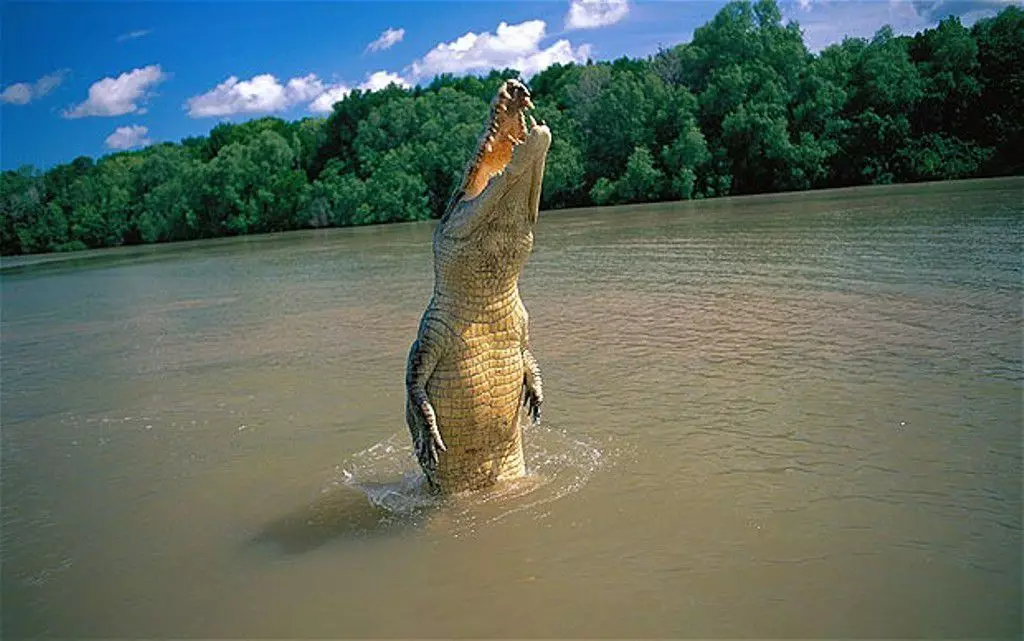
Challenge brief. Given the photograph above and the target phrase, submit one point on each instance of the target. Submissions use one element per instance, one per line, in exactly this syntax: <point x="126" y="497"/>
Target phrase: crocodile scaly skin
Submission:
<point x="470" y="370"/>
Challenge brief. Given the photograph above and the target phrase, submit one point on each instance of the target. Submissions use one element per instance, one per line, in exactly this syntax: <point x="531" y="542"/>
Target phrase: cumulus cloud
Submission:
<point x="266" y="94"/>
<point x="128" y="137"/>
<point x="376" y="81"/>
<point x="259" y="94"/>
<point x="380" y="79"/>
<point x="121" y="95"/>
<point x="590" y="14"/>
<point x="325" y="101"/>
<point x="17" y="94"/>
<point x="22" y="93"/>
<point x="302" y="89"/>
<point x="388" y="39"/>
<point x="514" y="46"/>
<point x="133" y="35"/>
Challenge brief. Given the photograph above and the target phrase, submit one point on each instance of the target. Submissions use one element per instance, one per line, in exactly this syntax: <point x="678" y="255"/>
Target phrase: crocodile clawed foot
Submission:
<point x="428" y="444"/>
<point x="532" y="402"/>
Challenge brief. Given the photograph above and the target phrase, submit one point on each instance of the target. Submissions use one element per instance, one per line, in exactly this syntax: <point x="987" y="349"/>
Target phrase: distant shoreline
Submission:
<point x="127" y="253"/>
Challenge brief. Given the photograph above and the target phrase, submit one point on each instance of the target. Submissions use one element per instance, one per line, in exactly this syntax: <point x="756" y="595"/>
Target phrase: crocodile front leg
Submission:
<point x="419" y="413"/>
<point x="533" y="389"/>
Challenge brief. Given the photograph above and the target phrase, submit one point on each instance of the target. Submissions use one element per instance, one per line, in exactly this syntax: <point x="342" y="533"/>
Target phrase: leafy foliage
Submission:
<point x="742" y="108"/>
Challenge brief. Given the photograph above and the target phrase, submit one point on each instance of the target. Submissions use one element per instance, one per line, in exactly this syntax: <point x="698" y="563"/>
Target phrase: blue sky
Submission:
<point x="88" y="78"/>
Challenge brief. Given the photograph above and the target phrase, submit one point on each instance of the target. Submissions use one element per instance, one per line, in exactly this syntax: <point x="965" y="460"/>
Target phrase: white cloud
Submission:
<point x="380" y="79"/>
<point x="325" y="101"/>
<point x="265" y="94"/>
<point x="132" y="35"/>
<point x="386" y="40"/>
<point x="121" y="95"/>
<point x="515" y="46"/>
<point x="590" y="14"/>
<point x="17" y="94"/>
<point x="22" y="93"/>
<point x="376" y="81"/>
<point x="259" y="94"/>
<point x="302" y="89"/>
<point x="48" y="83"/>
<point x="128" y="137"/>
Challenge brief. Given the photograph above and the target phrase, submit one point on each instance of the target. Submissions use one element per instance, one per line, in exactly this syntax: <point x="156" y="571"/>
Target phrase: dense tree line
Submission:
<point x="742" y="108"/>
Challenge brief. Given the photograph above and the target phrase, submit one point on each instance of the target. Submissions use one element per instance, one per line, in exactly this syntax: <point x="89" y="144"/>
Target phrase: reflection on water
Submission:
<point x="775" y="416"/>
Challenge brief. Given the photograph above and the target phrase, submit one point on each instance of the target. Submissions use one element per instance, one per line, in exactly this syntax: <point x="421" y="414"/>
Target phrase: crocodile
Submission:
<point x="470" y="373"/>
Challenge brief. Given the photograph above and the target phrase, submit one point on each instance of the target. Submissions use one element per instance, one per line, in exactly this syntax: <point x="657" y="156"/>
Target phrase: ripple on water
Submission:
<point x="558" y="464"/>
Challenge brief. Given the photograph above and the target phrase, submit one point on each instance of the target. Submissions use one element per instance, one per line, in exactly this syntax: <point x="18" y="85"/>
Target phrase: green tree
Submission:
<point x="158" y="200"/>
<point x="686" y="161"/>
<point x="565" y="170"/>
<point x="22" y="204"/>
<point x="438" y="133"/>
<point x="742" y="108"/>
<point x="640" y="182"/>
<point x="336" y="199"/>
<point x="342" y="126"/>
<point x="393" y="193"/>
<point x="307" y="137"/>
<point x="1000" y="107"/>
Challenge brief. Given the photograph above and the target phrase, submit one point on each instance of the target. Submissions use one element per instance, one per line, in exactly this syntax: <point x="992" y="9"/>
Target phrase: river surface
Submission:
<point x="780" y="416"/>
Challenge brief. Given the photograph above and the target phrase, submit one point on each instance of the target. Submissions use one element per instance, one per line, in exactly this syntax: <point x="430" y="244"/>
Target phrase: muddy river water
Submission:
<point x="777" y="416"/>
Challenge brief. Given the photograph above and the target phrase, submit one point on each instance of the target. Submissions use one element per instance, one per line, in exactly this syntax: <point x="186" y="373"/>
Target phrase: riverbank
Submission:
<point x="130" y="253"/>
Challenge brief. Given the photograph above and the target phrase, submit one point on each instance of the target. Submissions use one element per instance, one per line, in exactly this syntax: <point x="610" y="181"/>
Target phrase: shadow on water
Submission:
<point x="379" y="493"/>
<point x="343" y="512"/>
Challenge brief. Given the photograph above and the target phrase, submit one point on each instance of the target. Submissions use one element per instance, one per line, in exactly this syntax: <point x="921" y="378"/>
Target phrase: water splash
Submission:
<point x="558" y="464"/>
<point x="387" y="474"/>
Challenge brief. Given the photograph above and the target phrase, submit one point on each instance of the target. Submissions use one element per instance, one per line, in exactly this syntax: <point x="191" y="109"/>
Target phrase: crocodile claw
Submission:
<point x="427" y="441"/>
<point x="532" y="403"/>
<point x="436" y="442"/>
<point x="427" y="447"/>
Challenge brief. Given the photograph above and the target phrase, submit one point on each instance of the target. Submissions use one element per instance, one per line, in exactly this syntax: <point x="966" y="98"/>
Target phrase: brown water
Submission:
<point x="776" y="417"/>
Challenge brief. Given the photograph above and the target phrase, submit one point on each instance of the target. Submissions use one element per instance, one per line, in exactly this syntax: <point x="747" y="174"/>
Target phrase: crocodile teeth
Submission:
<point x="533" y="121"/>
<point x="489" y="147"/>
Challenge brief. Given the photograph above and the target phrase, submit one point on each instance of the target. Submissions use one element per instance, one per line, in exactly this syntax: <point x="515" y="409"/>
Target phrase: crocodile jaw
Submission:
<point x="502" y="184"/>
<point x="518" y="185"/>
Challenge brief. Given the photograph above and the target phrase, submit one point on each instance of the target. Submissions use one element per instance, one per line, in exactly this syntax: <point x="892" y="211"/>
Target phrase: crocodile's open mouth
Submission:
<point x="507" y="130"/>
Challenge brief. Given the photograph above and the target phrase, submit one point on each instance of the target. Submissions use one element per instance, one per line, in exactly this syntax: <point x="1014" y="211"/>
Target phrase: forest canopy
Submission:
<point x="743" y="108"/>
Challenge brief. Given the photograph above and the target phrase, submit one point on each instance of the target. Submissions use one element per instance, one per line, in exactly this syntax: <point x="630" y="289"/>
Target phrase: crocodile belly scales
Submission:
<point x="477" y="391"/>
